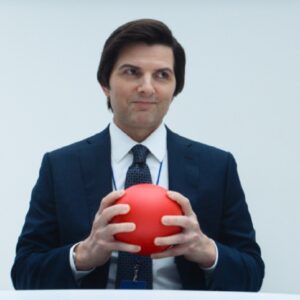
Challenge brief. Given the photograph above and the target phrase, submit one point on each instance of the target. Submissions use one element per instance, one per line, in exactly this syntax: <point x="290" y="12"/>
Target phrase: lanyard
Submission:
<point x="157" y="180"/>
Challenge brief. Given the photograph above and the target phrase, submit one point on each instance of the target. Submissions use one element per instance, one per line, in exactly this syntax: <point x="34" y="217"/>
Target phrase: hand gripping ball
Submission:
<point x="148" y="204"/>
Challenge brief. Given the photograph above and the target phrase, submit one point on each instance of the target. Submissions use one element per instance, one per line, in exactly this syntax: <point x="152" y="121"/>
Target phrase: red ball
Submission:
<point x="148" y="204"/>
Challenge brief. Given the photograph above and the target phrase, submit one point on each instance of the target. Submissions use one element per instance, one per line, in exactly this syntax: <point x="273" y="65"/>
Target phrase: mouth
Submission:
<point x="143" y="105"/>
<point x="144" y="102"/>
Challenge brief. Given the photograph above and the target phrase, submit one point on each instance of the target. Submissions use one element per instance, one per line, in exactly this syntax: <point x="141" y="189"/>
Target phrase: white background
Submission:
<point x="242" y="94"/>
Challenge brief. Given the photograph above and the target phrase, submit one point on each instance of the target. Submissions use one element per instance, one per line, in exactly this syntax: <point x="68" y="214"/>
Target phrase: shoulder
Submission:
<point x="99" y="140"/>
<point x="204" y="151"/>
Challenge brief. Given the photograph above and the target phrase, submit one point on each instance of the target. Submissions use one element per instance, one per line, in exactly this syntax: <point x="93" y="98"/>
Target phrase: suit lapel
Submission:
<point x="95" y="163"/>
<point x="184" y="178"/>
<point x="183" y="169"/>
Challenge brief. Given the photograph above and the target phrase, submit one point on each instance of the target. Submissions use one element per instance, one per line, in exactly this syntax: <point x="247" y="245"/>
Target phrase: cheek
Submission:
<point x="167" y="97"/>
<point x="167" y="92"/>
<point x="117" y="96"/>
<point x="123" y="92"/>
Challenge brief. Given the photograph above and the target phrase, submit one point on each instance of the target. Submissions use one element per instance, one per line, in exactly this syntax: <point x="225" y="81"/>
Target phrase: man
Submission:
<point x="68" y="240"/>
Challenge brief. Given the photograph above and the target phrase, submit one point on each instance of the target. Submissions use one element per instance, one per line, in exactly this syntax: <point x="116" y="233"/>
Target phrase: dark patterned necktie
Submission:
<point x="133" y="267"/>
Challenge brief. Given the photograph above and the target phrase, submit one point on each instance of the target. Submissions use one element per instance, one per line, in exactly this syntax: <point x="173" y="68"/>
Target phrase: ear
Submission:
<point x="106" y="90"/>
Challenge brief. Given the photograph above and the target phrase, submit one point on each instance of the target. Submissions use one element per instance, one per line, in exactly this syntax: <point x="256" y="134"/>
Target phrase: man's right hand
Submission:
<point x="96" y="249"/>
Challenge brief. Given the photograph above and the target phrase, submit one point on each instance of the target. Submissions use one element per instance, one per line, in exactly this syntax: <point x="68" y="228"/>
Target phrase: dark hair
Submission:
<point x="147" y="31"/>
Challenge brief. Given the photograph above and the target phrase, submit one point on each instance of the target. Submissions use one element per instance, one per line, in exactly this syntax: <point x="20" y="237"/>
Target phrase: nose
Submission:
<point x="145" y="86"/>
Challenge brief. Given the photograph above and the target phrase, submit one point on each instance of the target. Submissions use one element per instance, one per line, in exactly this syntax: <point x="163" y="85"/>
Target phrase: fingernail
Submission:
<point x="170" y="194"/>
<point x="125" y="209"/>
<point x="164" y="221"/>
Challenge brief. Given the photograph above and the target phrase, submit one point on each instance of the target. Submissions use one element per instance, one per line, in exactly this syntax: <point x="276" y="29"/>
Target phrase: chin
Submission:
<point x="147" y="124"/>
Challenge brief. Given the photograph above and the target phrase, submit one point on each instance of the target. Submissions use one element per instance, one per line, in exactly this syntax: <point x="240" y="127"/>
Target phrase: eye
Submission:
<point x="130" y="71"/>
<point x="163" y="74"/>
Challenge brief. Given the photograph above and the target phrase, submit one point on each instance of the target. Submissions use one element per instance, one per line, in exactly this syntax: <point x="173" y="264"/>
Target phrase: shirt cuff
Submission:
<point x="210" y="269"/>
<point x="77" y="274"/>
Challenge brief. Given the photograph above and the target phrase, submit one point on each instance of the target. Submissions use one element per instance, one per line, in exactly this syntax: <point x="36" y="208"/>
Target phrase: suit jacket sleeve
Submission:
<point x="39" y="254"/>
<point x="240" y="266"/>
<point x="42" y="258"/>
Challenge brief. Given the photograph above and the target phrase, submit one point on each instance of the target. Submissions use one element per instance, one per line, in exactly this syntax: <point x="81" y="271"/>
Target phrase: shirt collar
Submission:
<point x="121" y="143"/>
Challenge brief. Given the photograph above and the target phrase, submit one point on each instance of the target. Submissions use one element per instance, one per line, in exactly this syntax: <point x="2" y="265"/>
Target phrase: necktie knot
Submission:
<point x="140" y="153"/>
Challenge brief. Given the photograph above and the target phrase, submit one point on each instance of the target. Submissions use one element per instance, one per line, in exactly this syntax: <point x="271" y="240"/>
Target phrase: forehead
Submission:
<point x="143" y="55"/>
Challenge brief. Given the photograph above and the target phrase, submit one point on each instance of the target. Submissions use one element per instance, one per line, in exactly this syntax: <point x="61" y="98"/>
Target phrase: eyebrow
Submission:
<point x="138" y="68"/>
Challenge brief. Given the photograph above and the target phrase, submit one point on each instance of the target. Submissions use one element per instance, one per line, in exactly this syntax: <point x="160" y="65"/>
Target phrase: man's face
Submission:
<point x="141" y="87"/>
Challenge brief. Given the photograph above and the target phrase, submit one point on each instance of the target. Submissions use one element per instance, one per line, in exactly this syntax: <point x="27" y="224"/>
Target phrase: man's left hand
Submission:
<point x="192" y="243"/>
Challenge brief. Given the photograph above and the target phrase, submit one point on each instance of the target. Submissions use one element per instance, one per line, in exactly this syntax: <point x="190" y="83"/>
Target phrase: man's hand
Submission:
<point x="96" y="249"/>
<point x="192" y="243"/>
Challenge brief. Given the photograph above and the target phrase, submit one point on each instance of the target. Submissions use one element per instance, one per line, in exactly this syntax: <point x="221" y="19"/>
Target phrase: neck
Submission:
<point x="137" y="134"/>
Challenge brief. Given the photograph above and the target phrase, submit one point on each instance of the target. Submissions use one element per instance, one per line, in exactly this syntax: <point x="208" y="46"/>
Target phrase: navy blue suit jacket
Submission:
<point x="74" y="179"/>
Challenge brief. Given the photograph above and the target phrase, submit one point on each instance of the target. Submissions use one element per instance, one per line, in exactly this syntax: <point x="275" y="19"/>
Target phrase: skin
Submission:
<point x="192" y="243"/>
<point x="141" y="89"/>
